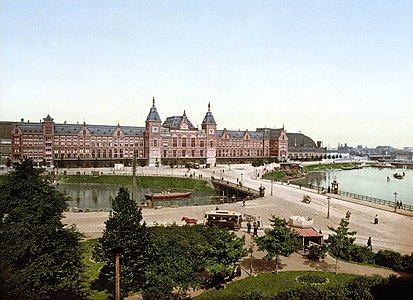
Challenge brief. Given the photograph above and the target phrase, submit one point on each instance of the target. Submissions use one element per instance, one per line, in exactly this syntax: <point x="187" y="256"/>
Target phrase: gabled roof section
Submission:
<point x="270" y="133"/>
<point x="153" y="113"/>
<point x="209" y="118"/>
<point x="175" y="122"/>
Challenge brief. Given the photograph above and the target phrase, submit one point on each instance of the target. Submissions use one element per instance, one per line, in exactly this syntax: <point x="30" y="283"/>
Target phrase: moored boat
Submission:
<point x="168" y="195"/>
<point x="399" y="175"/>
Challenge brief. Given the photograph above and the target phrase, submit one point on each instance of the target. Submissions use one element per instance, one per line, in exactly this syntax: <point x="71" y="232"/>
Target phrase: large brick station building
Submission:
<point x="176" y="140"/>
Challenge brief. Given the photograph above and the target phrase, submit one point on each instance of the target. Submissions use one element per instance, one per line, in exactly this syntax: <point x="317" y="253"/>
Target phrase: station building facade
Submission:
<point x="175" y="141"/>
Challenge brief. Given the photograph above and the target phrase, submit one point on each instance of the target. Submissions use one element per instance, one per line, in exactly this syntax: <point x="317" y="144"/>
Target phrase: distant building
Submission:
<point x="175" y="141"/>
<point x="5" y="141"/>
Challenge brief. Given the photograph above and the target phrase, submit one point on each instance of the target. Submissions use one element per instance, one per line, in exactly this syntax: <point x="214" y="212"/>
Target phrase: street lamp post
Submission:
<point x="272" y="181"/>
<point x="328" y="207"/>
<point x="395" y="201"/>
<point x="251" y="250"/>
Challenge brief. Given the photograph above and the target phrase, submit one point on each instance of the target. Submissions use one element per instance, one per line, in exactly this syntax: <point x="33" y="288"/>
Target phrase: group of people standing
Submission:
<point x="399" y="204"/>
<point x="256" y="224"/>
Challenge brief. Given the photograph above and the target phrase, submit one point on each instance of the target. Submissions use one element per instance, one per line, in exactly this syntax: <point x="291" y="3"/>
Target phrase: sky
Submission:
<point x="337" y="71"/>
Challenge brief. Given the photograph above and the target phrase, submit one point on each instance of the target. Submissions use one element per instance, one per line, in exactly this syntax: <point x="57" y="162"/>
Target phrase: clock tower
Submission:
<point x="210" y="126"/>
<point x="153" y="142"/>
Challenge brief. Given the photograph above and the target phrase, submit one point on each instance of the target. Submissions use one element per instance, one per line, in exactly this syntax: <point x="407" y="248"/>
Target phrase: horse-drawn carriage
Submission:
<point x="306" y="199"/>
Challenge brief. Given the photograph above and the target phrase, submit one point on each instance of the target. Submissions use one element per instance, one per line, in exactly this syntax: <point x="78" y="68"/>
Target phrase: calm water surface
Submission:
<point x="100" y="196"/>
<point x="367" y="181"/>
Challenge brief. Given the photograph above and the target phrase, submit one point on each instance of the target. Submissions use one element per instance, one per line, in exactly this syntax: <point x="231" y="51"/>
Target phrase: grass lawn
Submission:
<point x="142" y="181"/>
<point x="275" y="175"/>
<point x="323" y="167"/>
<point x="269" y="284"/>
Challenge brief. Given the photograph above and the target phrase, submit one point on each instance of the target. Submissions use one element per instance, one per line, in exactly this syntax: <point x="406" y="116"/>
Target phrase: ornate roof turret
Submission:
<point x="209" y="118"/>
<point x="48" y="119"/>
<point x="153" y="113"/>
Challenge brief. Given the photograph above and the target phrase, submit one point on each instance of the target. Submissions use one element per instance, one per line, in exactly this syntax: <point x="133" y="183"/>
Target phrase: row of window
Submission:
<point x="240" y="153"/>
<point x="183" y="153"/>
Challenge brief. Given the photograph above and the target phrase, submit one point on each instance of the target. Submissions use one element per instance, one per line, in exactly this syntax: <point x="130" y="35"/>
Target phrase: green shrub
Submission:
<point x="361" y="286"/>
<point x="400" y="288"/>
<point x="362" y="254"/>
<point x="394" y="260"/>
<point x="388" y="258"/>
<point x="317" y="251"/>
<point x="253" y="296"/>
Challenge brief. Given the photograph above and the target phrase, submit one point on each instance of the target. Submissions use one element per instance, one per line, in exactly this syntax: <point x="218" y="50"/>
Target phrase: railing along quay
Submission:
<point x="392" y="204"/>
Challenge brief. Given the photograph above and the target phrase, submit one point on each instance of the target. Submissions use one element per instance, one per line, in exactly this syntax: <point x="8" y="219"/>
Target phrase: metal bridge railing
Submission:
<point x="319" y="189"/>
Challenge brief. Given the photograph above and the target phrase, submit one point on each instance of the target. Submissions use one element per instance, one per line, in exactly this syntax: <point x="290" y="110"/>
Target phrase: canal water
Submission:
<point x="98" y="197"/>
<point x="367" y="181"/>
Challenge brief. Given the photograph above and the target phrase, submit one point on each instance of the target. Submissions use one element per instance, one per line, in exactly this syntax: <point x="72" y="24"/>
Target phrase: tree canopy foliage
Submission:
<point x="341" y="241"/>
<point x="180" y="254"/>
<point x="160" y="260"/>
<point x="278" y="240"/>
<point x="126" y="229"/>
<point x="40" y="258"/>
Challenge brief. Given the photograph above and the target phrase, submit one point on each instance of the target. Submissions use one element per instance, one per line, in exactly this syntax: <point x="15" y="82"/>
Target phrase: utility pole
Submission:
<point x="117" y="251"/>
<point x="328" y="207"/>
<point x="251" y="250"/>
<point x="134" y="188"/>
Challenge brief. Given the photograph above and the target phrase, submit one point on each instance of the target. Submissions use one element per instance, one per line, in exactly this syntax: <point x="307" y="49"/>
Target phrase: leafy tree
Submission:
<point x="179" y="253"/>
<point x="40" y="258"/>
<point x="341" y="241"/>
<point x="278" y="240"/>
<point x="124" y="228"/>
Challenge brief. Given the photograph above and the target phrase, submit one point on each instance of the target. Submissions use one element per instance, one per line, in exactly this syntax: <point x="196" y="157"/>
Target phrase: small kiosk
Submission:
<point x="334" y="187"/>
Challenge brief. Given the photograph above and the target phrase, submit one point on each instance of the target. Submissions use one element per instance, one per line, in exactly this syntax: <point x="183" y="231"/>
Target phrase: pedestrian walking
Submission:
<point x="255" y="225"/>
<point x="248" y="227"/>
<point x="259" y="222"/>
<point x="376" y="219"/>
<point x="369" y="243"/>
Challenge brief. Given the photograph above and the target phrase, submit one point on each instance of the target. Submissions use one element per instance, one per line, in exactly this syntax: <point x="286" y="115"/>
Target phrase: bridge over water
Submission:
<point x="236" y="190"/>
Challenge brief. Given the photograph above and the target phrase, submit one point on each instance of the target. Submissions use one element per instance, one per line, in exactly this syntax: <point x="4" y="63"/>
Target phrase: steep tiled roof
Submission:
<point x="306" y="232"/>
<point x="31" y="127"/>
<point x="67" y="129"/>
<point x="133" y="131"/>
<point x="238" y="134"/>
<point x="98" y="130"/>
<point x="153" y="113"/>
<point x="209" y="118"/>
<point x="175" y="122"/>
<point x="48" y="118"/>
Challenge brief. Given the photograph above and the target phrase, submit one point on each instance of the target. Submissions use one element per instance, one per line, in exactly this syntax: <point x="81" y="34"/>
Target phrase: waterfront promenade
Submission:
<point x="394" y="230"/>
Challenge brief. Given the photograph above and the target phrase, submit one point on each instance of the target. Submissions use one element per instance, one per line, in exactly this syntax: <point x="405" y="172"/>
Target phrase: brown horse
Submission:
<point x="189" y="221"/>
